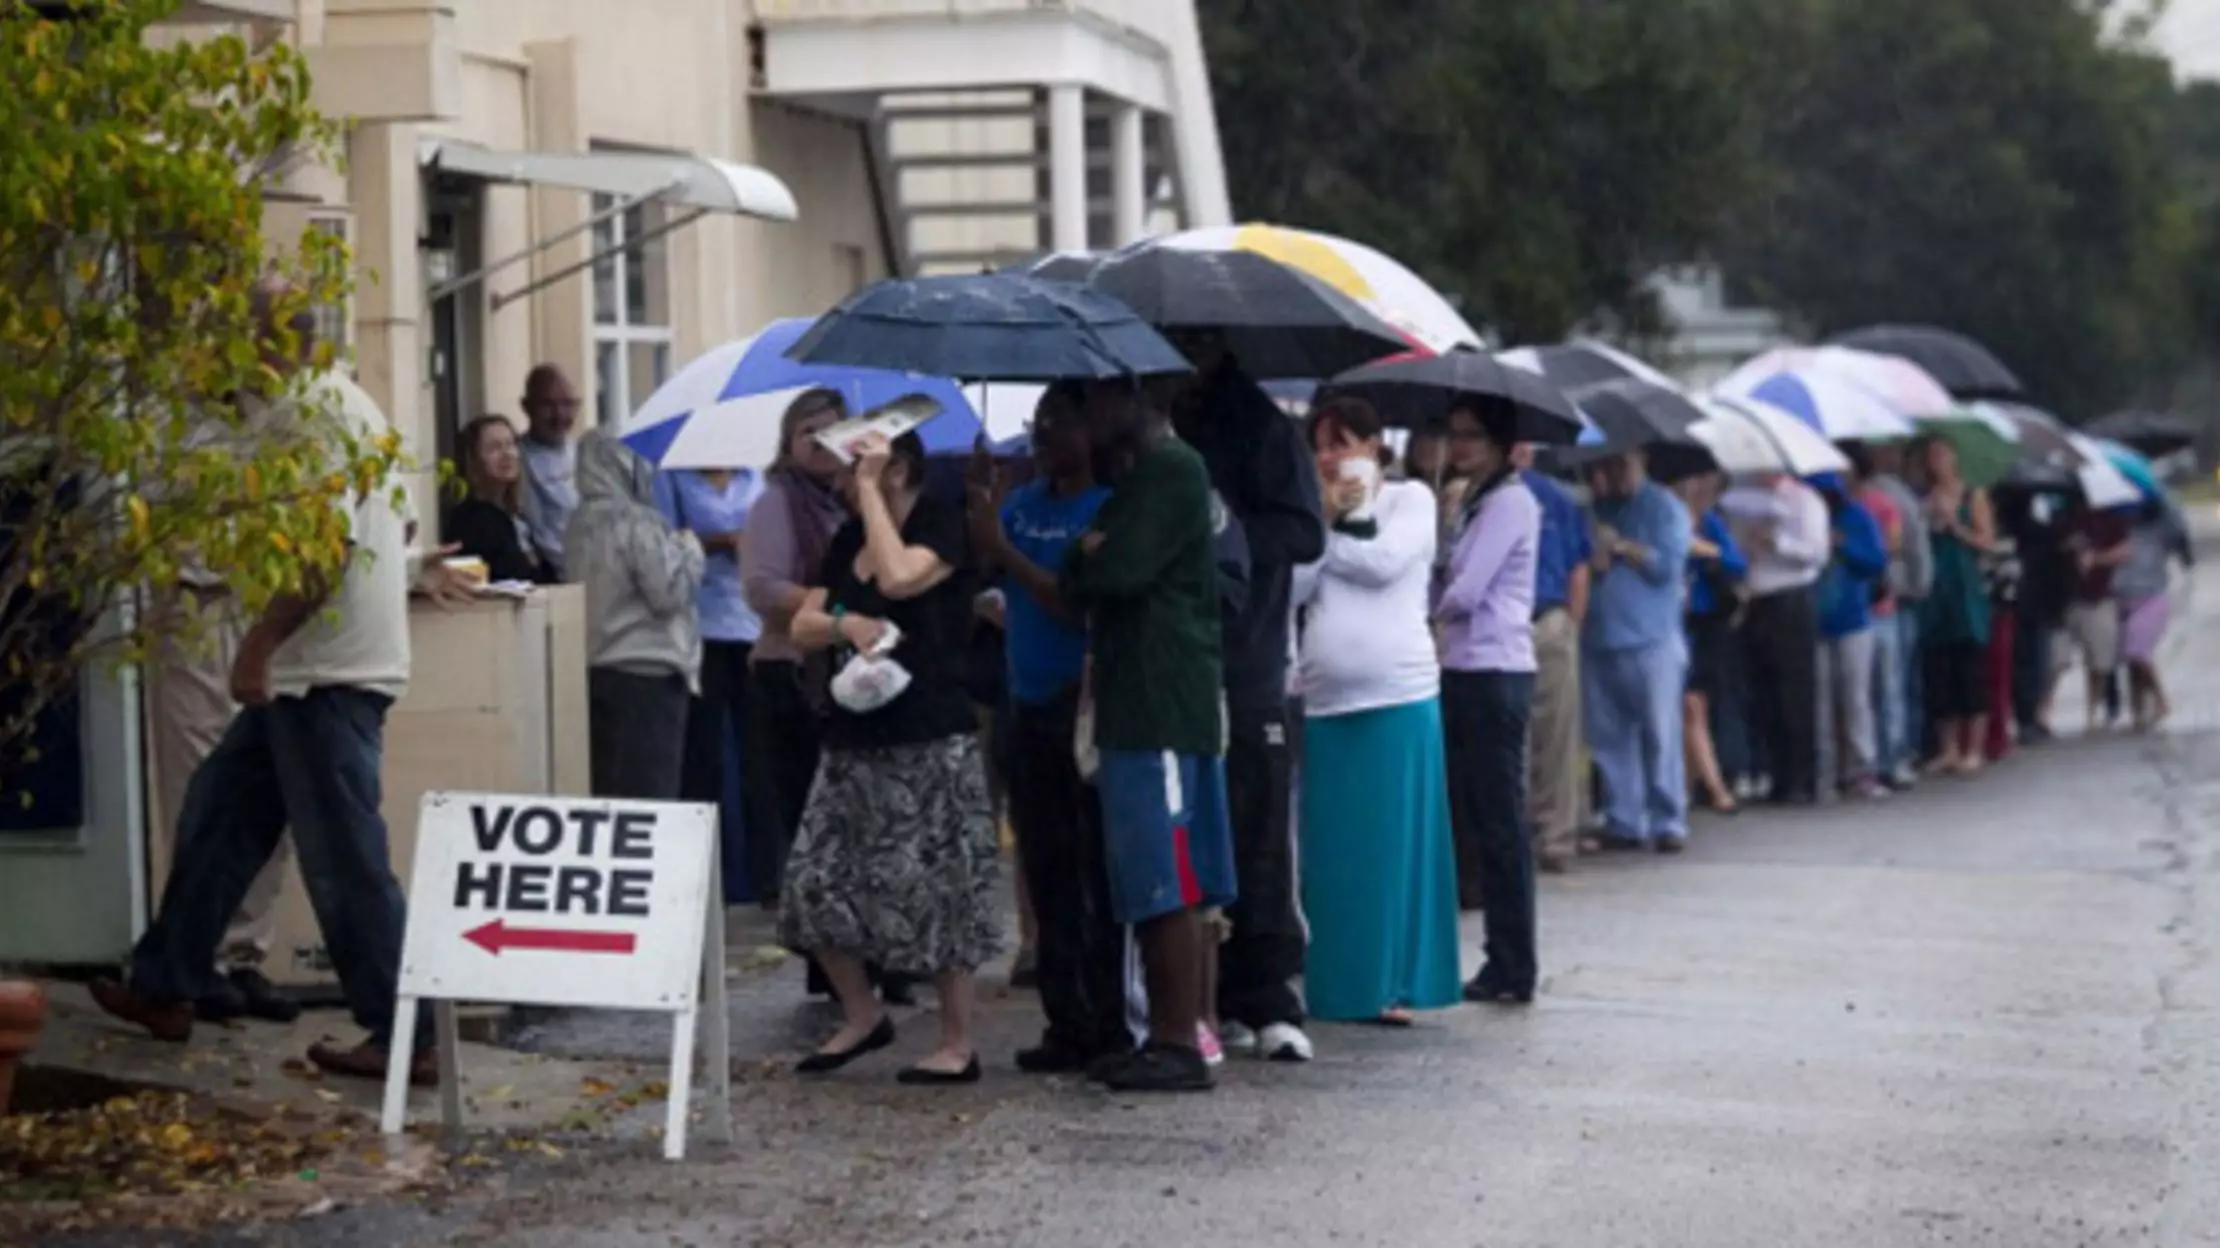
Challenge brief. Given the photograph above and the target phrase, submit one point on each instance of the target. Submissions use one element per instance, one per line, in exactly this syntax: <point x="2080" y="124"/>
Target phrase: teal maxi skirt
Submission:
<point x="1379" y="866"/>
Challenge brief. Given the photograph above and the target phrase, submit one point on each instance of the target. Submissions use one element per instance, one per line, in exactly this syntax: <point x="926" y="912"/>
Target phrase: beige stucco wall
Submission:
<point x="568" y="75"/>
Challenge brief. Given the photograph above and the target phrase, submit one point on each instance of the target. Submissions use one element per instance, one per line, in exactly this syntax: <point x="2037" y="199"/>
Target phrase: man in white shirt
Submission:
<point x="313" y="678"/>
<point x="1782" y="525"/>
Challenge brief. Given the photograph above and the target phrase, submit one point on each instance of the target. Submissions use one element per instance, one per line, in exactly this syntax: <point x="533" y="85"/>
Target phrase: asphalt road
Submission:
<point x="1980" y="1014"/>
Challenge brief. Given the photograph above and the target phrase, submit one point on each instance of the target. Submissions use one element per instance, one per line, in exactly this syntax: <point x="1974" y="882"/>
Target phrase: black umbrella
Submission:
<point x="1965" y="368"/>
<point x="988" y="327"/>
<point x="1419" y="393"/>
<point x="1576" y="365"/>
<point x="2153" y="433"/>
<point x="1276" y="320"/>
<point x="1060" y="266"/>
<point x="1637" y="415"/>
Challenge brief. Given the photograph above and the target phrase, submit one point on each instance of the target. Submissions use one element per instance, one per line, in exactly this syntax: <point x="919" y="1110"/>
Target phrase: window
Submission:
<point x="632" y="310"/>
<point x="331" y="316"/>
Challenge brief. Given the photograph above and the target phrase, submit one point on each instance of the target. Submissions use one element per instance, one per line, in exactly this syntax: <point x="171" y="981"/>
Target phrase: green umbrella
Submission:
<point x="1987" y="444"/>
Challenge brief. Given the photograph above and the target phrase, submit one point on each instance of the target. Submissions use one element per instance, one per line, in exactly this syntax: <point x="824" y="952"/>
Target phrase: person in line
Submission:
<point x="1145" y="577"/>
<point x="1379" y="866"/>
<point x="1856" y="578"/>
<point x="1484" y="612"/>
<point x="1781" y="525"/>
<point x="1025" y="535"/>
<point x="2002" y="571"/>
<point x="488" y="524"/>
<point x="643" y="635"/>
<point x="188" y="708"/>
<point x="314" y="677"/>
<point x="1257" y="465"/>
<point x="2140" y="584"/>
<point x="782" y="553"/>
<point x="782" y="558"/>
<point x="1896" y="510"/>
<point x="2035" y="521"/>
<point x="1634" y="657"/>
<point x="2097" y="542"/>
<point x="1954" y="621"/>
<point x="713" y="505"/>
<point x="1556" y="779"/>
<point x="897" y="864"/>
<point x="1715" y="572"/>
<point x="550" y="463"/>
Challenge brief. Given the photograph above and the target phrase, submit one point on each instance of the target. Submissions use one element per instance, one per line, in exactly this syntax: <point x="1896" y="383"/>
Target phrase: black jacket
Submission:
<point x="1258" y="465"/>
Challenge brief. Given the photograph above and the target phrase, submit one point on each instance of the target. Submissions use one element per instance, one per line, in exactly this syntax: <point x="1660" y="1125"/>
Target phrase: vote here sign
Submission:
<point x="558" y="901"/>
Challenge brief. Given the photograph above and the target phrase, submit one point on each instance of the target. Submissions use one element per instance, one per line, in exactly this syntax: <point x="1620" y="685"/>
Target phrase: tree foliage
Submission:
<point x="2012" y="168"/>
<point x="1536" y="159"/>
<point x="144" y="429"/>
<point x="1993" y="165"/>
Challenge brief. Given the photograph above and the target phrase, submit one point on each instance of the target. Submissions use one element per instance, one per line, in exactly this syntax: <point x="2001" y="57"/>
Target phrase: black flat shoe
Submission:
<point x="919" y="1076"/>
<point x="825" y="1063"/>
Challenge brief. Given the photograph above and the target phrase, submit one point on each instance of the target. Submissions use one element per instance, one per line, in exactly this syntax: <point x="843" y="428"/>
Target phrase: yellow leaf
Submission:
<point x="282" y="542"/>
<point x="139" y="517"/>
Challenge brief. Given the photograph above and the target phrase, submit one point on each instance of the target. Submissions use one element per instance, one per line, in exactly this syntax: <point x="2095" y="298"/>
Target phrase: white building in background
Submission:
<point x="615" y="186"/>
<point x="1704" y="336"/>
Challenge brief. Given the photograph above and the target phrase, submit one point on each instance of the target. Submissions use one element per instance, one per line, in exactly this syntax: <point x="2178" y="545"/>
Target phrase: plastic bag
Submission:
<point x="871" y="679"/>
<point x="1083" y="730"/>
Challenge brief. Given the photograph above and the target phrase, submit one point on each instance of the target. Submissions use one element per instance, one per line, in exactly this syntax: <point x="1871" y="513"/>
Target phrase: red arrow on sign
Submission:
<point x="498" y="935"/>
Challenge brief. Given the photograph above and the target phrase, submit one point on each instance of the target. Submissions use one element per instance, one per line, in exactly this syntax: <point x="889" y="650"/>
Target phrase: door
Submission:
<point x="72" y="832"/>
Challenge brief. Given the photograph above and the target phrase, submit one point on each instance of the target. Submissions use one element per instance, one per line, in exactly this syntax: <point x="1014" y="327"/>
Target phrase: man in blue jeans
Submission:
<point x="313" y="679"/>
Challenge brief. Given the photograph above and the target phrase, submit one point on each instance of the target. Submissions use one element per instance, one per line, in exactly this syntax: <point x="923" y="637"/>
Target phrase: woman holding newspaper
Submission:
<point x="896" y="863"/>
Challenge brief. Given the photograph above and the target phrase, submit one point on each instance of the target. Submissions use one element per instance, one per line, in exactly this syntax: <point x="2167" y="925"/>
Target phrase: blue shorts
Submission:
<point x="1166" y="832"/>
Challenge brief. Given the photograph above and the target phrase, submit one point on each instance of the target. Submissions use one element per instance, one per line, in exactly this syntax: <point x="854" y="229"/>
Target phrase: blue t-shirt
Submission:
<point x="688" y="501"/>
<point x="1046" y="654"/>
<point x="1563" y="544"/>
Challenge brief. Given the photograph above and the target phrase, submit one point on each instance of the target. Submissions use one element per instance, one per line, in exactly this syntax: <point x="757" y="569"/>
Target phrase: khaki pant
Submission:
<point x="1554" y="783"/>
<point x="188" y="707"/>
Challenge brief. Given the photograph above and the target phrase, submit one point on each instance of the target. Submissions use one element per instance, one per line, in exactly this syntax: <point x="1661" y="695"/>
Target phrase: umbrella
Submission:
<point x="1842" y="410"/>
<point x="1574" y="365"/>
<point x="1748" y="435"/>
<point x="988" y="327"/>
<point x="2133" y="466"/>
<point x="1964" y="367"/>
<point x="1903" y="385"/>
<point x="1631" y="414"/>
<point x="1419" y="392"/>
<point x="1277" y="320"/>
<point x="1988" y="444"/>
<point x="723" y="410"/>
<point x="2052" y="452"/>
<point x="2151" y="433"/>
<point x="1392" y="292"/>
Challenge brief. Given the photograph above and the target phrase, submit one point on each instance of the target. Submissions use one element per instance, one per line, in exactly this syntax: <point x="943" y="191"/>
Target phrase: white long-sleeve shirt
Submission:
<point x="1366" y="642"/>
<point x="1802" y="537"/>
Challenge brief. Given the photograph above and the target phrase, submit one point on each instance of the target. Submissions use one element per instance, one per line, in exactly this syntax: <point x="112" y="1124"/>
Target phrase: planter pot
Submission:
<point x="22" y="1014"/>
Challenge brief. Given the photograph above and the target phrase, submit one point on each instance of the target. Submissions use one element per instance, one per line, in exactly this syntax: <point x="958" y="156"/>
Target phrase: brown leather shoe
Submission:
<point x="1553" y="864"/>
<point x="368" y="1061"/>
<point x="164" y="1020"/>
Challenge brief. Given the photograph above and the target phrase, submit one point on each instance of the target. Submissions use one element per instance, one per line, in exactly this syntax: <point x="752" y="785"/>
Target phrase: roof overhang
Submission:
<point x="820" y="56"/>
<point x="695" y="185"/>
<point x="702" y="182"/>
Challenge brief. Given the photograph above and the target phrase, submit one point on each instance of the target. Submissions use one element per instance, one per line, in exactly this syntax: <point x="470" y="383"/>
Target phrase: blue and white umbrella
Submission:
<point x="723" y="409"/>
<point x="1836" y="406"/>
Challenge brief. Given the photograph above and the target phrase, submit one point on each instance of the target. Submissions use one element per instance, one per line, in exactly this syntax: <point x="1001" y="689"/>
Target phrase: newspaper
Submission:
<point x="890" y="421"/>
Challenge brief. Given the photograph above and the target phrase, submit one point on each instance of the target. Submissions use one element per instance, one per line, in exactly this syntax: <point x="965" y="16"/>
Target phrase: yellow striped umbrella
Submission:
<point x="1392" y="292"/>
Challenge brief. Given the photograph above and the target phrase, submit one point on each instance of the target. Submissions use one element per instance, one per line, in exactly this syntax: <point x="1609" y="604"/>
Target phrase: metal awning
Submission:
<point x="698" y="184"/>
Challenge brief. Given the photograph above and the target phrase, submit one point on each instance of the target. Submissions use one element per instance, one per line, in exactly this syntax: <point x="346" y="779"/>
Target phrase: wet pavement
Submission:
<point x="1986" y="1013"/>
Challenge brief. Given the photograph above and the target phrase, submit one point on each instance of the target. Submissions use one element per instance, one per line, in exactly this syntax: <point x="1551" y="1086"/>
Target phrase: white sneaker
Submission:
<point x="1235" y="1038"/>
<point x="1283" y="1042"/>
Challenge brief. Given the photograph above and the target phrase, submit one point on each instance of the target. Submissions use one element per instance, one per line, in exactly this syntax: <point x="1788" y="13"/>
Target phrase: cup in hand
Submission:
<point x="1366" y="472"/>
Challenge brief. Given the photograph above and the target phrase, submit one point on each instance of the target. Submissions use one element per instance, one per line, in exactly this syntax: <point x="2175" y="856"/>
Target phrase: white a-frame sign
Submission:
<point x="534" y="900"/>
